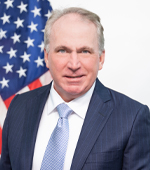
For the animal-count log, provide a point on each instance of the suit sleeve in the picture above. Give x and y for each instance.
(5, 163)
(137, 151)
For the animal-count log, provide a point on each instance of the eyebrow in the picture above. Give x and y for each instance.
(62, 47)
(85, 48)
(78, 50)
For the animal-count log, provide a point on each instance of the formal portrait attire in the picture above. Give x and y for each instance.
(75, 122)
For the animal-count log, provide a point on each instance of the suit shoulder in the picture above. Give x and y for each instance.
(34, 92)
(21, 99)
(117, 100)
(123, 100)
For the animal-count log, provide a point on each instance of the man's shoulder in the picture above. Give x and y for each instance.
(121, 100)
(22, 99)
(35, 92)
(117, 99)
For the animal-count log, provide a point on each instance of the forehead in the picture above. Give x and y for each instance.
(71, 20)
(73, 31)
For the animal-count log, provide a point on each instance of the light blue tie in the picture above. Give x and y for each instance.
(57, 146)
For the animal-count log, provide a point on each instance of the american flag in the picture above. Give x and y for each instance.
(22, 66)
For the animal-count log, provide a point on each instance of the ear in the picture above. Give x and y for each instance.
(46, 58)
(101, 60)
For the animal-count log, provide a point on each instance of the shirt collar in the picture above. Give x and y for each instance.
(78, 105)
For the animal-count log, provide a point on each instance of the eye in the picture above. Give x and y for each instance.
(62, 51)
(85, 51)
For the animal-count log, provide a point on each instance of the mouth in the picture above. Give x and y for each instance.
(73, 77)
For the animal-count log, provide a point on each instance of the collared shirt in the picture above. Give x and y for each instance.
(49, 120)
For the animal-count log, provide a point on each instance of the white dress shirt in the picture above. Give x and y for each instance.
(49, 120)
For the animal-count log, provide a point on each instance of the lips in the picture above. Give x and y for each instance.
(74, 76)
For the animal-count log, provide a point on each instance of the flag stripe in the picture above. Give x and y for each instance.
(35, 84)
(45, 78)
(8, 101)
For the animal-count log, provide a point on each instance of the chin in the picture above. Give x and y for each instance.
(75, 91)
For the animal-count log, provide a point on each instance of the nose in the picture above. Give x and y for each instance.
(74, 62)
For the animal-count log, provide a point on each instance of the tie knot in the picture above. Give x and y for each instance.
(64, 110)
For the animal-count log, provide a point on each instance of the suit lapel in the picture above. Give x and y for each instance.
(97, 115)
(33, 113)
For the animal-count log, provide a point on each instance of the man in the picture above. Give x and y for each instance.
(107, 130)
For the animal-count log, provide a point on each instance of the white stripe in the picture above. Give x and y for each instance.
(25, 89)
(3, 111)
(45, 78)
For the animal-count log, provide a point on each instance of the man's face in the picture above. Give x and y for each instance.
(73, 58)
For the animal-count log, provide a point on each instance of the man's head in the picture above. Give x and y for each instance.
(72, 52)
(85, 14)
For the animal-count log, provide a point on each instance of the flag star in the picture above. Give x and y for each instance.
(12, 53)
(39, 62)
(36, 11)
(16, 38)
(9, 3)
(22, 7)
(48, 14)
(43, 30)
(29, 42)
(21, 72)
(4, 83)
(41, 46)
(1, 47)
(19, 23)
(5, 18)
(33, 27)
(8, 68)
(25, 57)
(2, 34)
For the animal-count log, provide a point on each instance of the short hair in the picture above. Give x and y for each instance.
(56, 14)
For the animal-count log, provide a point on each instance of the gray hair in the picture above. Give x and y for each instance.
(56, 14)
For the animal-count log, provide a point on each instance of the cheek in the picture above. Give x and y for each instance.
(56, 65)
(91, 65)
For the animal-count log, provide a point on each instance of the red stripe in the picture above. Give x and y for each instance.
(0, 140)
(8, 101)
(31, 86)
(35, 84)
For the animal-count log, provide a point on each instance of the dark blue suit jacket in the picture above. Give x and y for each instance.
(115, 134)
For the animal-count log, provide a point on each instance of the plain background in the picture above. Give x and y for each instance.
(127, 43)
